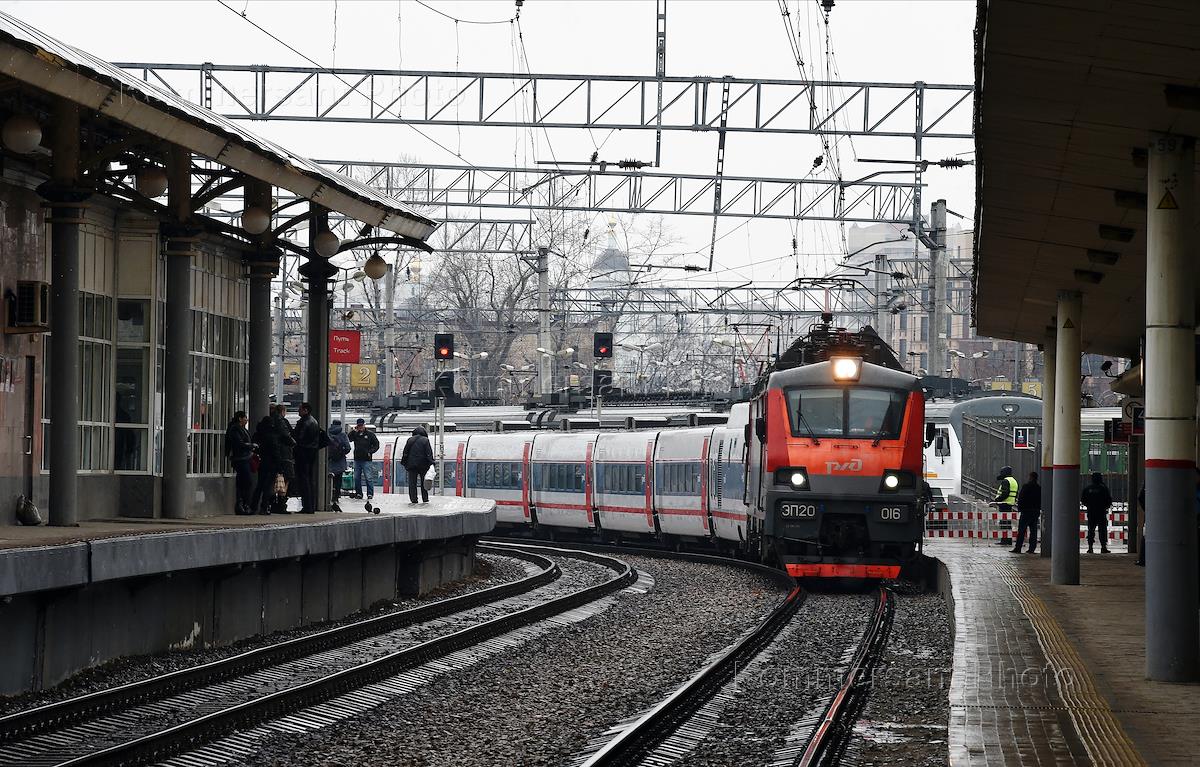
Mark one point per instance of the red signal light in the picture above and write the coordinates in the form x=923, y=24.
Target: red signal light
x=443, y=352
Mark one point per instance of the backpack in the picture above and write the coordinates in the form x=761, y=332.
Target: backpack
x=322, y=439
x=347, y=448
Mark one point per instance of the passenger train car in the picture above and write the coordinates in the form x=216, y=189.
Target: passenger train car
x=669, y=485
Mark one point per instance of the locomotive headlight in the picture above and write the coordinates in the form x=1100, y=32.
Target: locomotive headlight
x=847, y=368
x=795, y=477
x=895, y=479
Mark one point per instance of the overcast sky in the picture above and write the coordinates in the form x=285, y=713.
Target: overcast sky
x=872, y=40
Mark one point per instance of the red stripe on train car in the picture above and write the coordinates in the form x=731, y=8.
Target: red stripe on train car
x=843, y=571
x=568, y=506
x=650, y=484
x=525, y=479
x=736, y=516
x=458, y=469
x=683, y=512
x=622, y=509
x=704, y=483
x=387, y=468
x=587, y=483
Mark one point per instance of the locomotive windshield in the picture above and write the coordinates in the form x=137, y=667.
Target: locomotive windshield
x=847, y=412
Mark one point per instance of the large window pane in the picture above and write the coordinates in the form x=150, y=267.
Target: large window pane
x=133, y=321
x=133, y=371
x=130, y=449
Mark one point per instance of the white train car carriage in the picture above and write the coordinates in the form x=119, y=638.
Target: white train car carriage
x=726, y=486
x=560, y=479
x=681, y=482
x=497, y=467
x=624, y=472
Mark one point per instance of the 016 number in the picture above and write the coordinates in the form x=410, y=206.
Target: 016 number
x=891, y=513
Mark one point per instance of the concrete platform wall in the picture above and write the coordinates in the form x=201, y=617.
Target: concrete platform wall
x=49, y=635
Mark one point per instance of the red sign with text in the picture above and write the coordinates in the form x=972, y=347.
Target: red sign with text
x=344, y=346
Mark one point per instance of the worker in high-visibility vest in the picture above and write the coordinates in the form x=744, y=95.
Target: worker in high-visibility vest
x=1006, y=499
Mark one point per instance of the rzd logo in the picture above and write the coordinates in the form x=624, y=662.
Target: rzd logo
x=854, y=464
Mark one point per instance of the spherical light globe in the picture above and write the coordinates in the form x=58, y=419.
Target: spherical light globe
x=22, y=134
x=151, y=181
x=255, y=220
x=375, y=267
x=326, y=244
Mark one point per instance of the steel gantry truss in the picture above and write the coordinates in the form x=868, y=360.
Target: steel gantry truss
x=621, y=102
x=635, y=191
x=584, y=306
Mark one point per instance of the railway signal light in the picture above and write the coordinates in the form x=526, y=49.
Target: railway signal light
x=443, y=346
x=602, y=381
x=602, y=345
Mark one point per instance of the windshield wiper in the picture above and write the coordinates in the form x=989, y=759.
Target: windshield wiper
x=803, y=420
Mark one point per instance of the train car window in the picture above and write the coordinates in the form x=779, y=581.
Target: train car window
x=875, y=413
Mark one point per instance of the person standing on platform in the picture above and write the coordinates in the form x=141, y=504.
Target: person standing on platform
x=307, y=435
x=1097, y=499
x=284, y=460
x=238, y=449
x=1006, y=498
x=335, y=462
x=1029, y=505
x=417, y=459
x=264, y=445
x=366, y=444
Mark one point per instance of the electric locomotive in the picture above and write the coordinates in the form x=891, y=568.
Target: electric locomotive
x=834, y=469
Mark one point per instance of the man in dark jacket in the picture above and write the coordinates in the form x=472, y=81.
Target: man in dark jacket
x=238, y=449
x=264, y=444
x=1029, y=504
x=1096, y=499
x=417, y=459
x=366, y=444
x=307, y=435
x=284, y=455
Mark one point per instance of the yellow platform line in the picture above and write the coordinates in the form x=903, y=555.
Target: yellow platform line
x=1102, y=735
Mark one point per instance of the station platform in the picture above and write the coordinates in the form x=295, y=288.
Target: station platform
x=74, y=597
x=1055, y=674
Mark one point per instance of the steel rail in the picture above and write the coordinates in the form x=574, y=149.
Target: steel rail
x=830, y=736
x=32, y=721
x=164, y=743
x=636, y=741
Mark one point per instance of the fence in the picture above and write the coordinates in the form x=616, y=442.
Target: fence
x=969, y=518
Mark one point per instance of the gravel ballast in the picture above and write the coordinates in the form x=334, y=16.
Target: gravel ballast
x=793, y=681
x=490, y=570
x=907, y=715
x=542, y=703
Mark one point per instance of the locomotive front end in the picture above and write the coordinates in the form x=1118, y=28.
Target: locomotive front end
x=840, y=477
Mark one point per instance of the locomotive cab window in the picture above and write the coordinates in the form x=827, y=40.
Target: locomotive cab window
x=846, y=412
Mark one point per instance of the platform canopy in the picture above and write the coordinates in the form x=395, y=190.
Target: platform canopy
x=1069, y=94
x=29, y=56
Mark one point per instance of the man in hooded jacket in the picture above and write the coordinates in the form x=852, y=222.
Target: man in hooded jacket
x=417, y=459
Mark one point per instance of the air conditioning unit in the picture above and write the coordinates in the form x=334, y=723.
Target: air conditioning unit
x=28, y=307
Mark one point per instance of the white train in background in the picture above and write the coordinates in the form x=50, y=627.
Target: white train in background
x=943, y=455
x=597, y=481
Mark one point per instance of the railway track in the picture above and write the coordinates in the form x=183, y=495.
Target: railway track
x=153, y=719
x=667, y=733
